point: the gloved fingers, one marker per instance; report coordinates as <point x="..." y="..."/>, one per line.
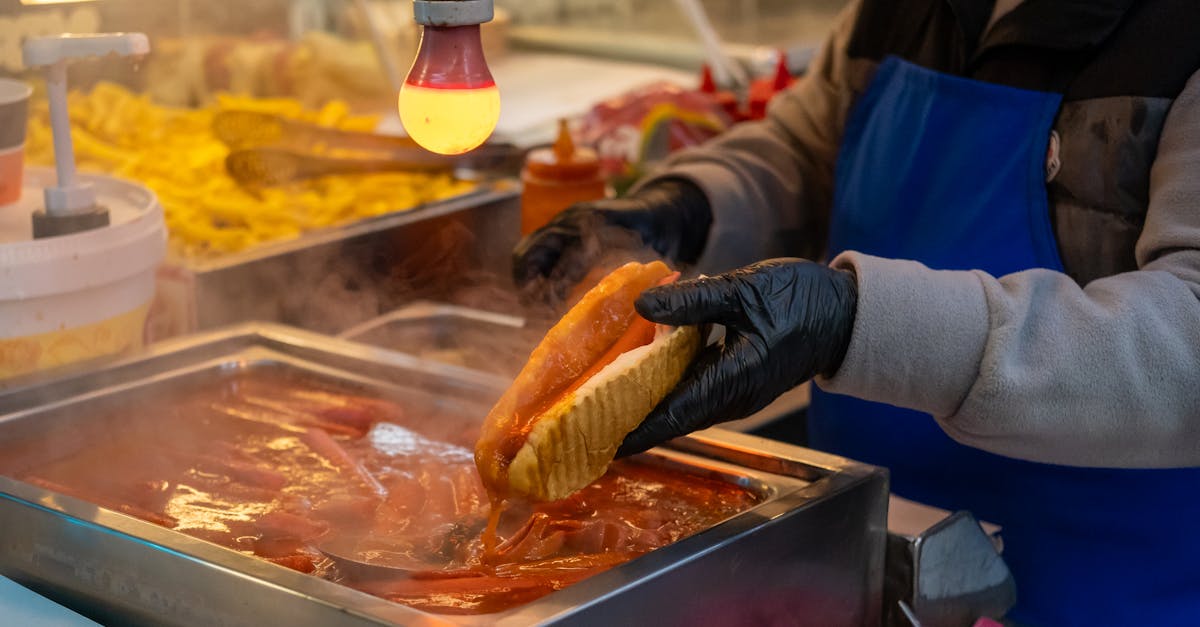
<point x="538" y="254"/>
<point x="574" y="265"/>
<point x="634" y="229"/>
<point x="712" y="300"/>
<point x="696" y="403"/>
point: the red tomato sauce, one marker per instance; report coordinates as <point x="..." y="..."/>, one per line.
<point x="275" y="466"/>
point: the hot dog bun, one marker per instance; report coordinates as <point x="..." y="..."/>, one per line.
<point x="559" y="425"/>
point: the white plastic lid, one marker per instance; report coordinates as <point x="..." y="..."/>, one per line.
<point x="134" y="241"/>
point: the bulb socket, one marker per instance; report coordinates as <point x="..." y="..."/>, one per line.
<point x="453" y="12"/>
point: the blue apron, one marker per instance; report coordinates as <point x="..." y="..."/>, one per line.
<point x="950" y="172"/>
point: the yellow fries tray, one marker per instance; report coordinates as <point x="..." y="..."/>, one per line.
<point x="331" y="279"/>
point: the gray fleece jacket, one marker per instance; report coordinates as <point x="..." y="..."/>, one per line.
<point x="1035" y="365"/>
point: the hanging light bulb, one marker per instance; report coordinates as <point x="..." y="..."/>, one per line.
<point x="449" y="103"/>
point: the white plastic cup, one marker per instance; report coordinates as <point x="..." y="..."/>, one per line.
<point x="14" y="117"/>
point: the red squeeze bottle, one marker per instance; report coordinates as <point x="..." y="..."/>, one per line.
<point x="763" y="89"/>
<point x="725" y="99"/>
<point x="557" y="177"/>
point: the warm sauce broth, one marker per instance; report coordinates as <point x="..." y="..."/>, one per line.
<point x="274" y="466"/>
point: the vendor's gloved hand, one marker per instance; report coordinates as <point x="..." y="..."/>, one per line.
<point x="670" y="216"/>
<point x="786" y="320"/>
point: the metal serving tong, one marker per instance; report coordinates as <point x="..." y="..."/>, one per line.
<point x="346" y="554"/>
<point x="363" y="556"/>
<point x="271" y="150"/>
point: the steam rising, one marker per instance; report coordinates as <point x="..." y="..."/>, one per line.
<point x="450" y="263"/>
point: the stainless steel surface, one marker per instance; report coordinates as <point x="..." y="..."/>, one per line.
<point x="341" y="550"/>
<point x="269" y="150"/>
<point x="908" y="614"/>
<point x="482" y="340"/>
<point x="327" y="281"/>
<point x="241" y="129"/>
<point x="265" y="167"/>
<point x="948" y="575"/>
<point x="452" y="318"/>
<point x="812" y="551"/>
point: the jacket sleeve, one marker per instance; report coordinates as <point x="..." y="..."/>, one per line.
<point x="1031" y="365"/>
<point x="769" y="183"/>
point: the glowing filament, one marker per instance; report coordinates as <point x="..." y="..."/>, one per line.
<point x="449" y="103"/>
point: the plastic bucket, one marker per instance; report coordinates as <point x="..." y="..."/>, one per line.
<point x="81" y="296"/>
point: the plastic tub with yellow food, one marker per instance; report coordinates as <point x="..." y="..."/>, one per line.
<point x="81" y="296"/>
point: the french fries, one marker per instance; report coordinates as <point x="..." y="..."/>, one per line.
<point x="174" y="152"/>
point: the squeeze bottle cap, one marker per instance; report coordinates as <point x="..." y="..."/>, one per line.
<point x="564" y="160"/>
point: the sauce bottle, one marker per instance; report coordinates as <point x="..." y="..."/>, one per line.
<point x="557" y="177"/>
<point x="727" y="100"/>
<point x="764" y="89"/>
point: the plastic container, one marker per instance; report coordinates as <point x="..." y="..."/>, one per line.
<point x="725" y="99"/>
<point x="81" y="296"/>
<point x="14" y="114"/>
<point x="762" y="90"/>
<point x="557" y="177"/>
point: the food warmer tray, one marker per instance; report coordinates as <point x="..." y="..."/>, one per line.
<point x="378" y="255"/>
<point x="482" y="340"/>
<point x="811" y="552"/>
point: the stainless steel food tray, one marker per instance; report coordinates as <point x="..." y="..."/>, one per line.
<point x="810" y="553"/>
<point x="305" y="281"/>
<point x="472" y="338"/>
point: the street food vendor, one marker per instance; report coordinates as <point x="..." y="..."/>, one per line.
<point x="1009" y="194"/>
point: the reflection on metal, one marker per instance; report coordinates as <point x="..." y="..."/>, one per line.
<point x="909" y="614"/>
<point x="949" y="575"/>
<point x="391" y="257"/>
<point x="473" y="338"/>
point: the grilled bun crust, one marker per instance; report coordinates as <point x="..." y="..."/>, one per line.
<point x="553" y="433"/>
<point x="572" y="443"/>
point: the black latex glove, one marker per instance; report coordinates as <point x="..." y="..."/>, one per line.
<point x="670" y="216"/>
<point x="786" y="320"/>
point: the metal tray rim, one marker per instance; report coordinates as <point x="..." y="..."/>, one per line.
<point x="21" y="393"/>
<point x="429" y="309"/>
<point x="483" y="194"/>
